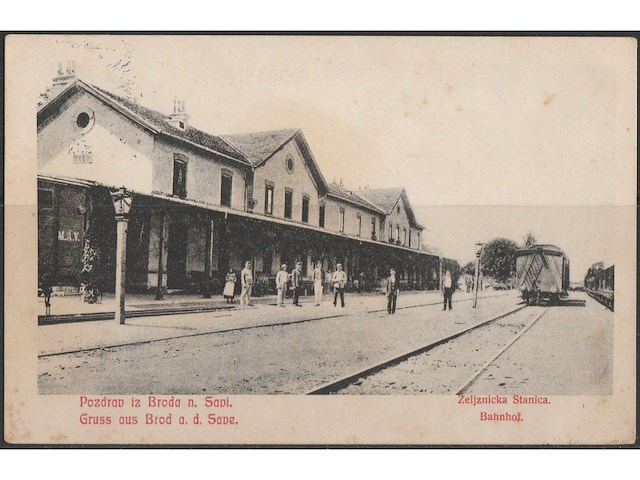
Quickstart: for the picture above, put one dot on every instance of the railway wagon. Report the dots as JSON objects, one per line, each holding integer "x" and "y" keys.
{"x": 542, "y": 274}
{"x": 600, "y": 285}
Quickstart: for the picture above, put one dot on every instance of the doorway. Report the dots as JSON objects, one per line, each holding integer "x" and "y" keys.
{"x": 177, "y": 258}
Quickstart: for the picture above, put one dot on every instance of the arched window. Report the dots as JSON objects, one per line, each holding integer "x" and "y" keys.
{"x": 305, "y": 208}
{"x": 288, "y": 203}
{"x": 321, "y": 213}
{"x": 268, "y": 198}
{"x": 180, "y": 175}
{"x": 226, "y": 187}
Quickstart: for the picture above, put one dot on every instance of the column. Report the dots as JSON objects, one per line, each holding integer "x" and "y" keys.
{"x": 159, "y": 295}
{"x": 206, "y": 290}
{"x": 121, "y": 266}
{"x": 122, "y": 204}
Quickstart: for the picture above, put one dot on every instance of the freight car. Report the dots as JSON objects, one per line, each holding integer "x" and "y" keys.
{"x": 599, "y": 283}
{"x": 542, "y": 274}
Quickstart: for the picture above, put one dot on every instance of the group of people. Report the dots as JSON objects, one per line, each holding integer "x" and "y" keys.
{"x": 338, "y": 281}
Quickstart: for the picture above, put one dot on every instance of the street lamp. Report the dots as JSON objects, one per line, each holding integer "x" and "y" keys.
{"x": 479, "y": 246}
{"x": 122, "y": 200}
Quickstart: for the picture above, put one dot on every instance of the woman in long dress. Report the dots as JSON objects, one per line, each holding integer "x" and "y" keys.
{"x": 230, "y": 286}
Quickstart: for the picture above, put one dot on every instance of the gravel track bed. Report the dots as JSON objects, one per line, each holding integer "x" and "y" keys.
{"x": 446, "y": 368}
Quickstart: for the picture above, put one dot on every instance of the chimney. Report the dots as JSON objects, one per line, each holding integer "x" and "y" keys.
{"x": 64, "y": 78}
{"x": 179, "y": 118}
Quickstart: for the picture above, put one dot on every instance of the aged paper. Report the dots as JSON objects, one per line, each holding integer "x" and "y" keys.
{"x": 490, "y": 137}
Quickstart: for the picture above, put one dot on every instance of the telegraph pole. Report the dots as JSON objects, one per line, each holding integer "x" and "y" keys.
{"x": 477, "y": 282}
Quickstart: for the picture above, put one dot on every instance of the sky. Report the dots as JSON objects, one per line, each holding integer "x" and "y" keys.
{"x": 491, "y": 137}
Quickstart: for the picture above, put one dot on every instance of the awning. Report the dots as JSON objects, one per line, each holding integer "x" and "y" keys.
{"x": 233, "y": 212}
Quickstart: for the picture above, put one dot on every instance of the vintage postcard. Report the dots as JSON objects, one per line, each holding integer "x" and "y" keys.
{"x": 320, "y": 240}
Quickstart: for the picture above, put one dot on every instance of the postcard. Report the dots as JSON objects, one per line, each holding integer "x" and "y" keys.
{"x": 320, "y": 239}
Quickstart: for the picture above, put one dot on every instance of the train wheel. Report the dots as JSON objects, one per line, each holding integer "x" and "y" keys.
{"x": 536, "y": 298}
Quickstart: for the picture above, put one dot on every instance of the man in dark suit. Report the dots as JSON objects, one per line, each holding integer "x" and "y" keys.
{"x": 296, "y": 280}
{"x": 392, "y": 291}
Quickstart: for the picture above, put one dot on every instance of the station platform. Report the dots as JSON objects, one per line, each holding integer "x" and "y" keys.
{"x": 71, "y": 308}
{"x": 78, "y": 334}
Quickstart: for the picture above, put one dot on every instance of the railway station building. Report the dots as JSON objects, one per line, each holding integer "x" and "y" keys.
{"x": 203, "y": 204}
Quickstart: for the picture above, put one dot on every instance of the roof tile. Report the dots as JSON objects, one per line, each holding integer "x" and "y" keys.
{"x": 160, "y": 121}
{"x": 259, "y": 146}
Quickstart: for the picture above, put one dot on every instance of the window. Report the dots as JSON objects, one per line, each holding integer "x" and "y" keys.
{"x": 305, "y": 209}
{"x": 397, "y": 239}
{"x": 418, "y": 246}
{"x": 45, "y": 198}
{"x": 289, "y": 164}
{"x": 373, "y": 228}
{"x": 268, "y": 198}
{"x": 409, "y": 237}
{"x": 226, "y": 186}
{"x": 404, "y": 233}
{"x": 358, "y": 225}
{"x": 83, "y": 120}
{"x": 341, "y": 220}
{"x": 398, "y": 210}
{"x": 179, "y": 175}
{"x": 288, "y": 204}
{"x": 390, "y": 231}
{"x": 321, "y": 216}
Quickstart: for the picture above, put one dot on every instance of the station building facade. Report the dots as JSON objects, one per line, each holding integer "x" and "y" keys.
{"x": 203, "y": 204}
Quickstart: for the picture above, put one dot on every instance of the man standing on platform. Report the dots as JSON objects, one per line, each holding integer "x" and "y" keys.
{"x": 448, "y": 290}
{"x": 392, "y": 291}
{"x": 246, "y": 279}
{"x": 296, "y": 280}
{"x": 339, "y": 281}
{"x": 318, "y": 277}
{"x": 282, "y": 278}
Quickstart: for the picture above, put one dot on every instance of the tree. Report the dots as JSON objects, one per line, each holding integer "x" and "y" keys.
{"x": 499, "y": 259}
{"x": 529, "y": 239}
{"x": 98, "y": 254}
{"x": 469, "y": 268}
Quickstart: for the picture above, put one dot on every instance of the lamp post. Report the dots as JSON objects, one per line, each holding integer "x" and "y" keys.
{"x": 122, "y": 205}
{"x": 477, "y": 282}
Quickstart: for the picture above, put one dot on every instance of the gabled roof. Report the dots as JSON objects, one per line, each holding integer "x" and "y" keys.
{"x": 152, "y": 120}
{"x": 387, "y": 198}
{"x": 384, "y": 198}
{"x": 258, "y": 147}
{"x": 337, "y": 191}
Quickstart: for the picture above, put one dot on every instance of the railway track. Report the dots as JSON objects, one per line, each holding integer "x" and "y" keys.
{"x": 479, "y": 372}
{"x": 356, "y": 377}
{"x": 604, "y": 297}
